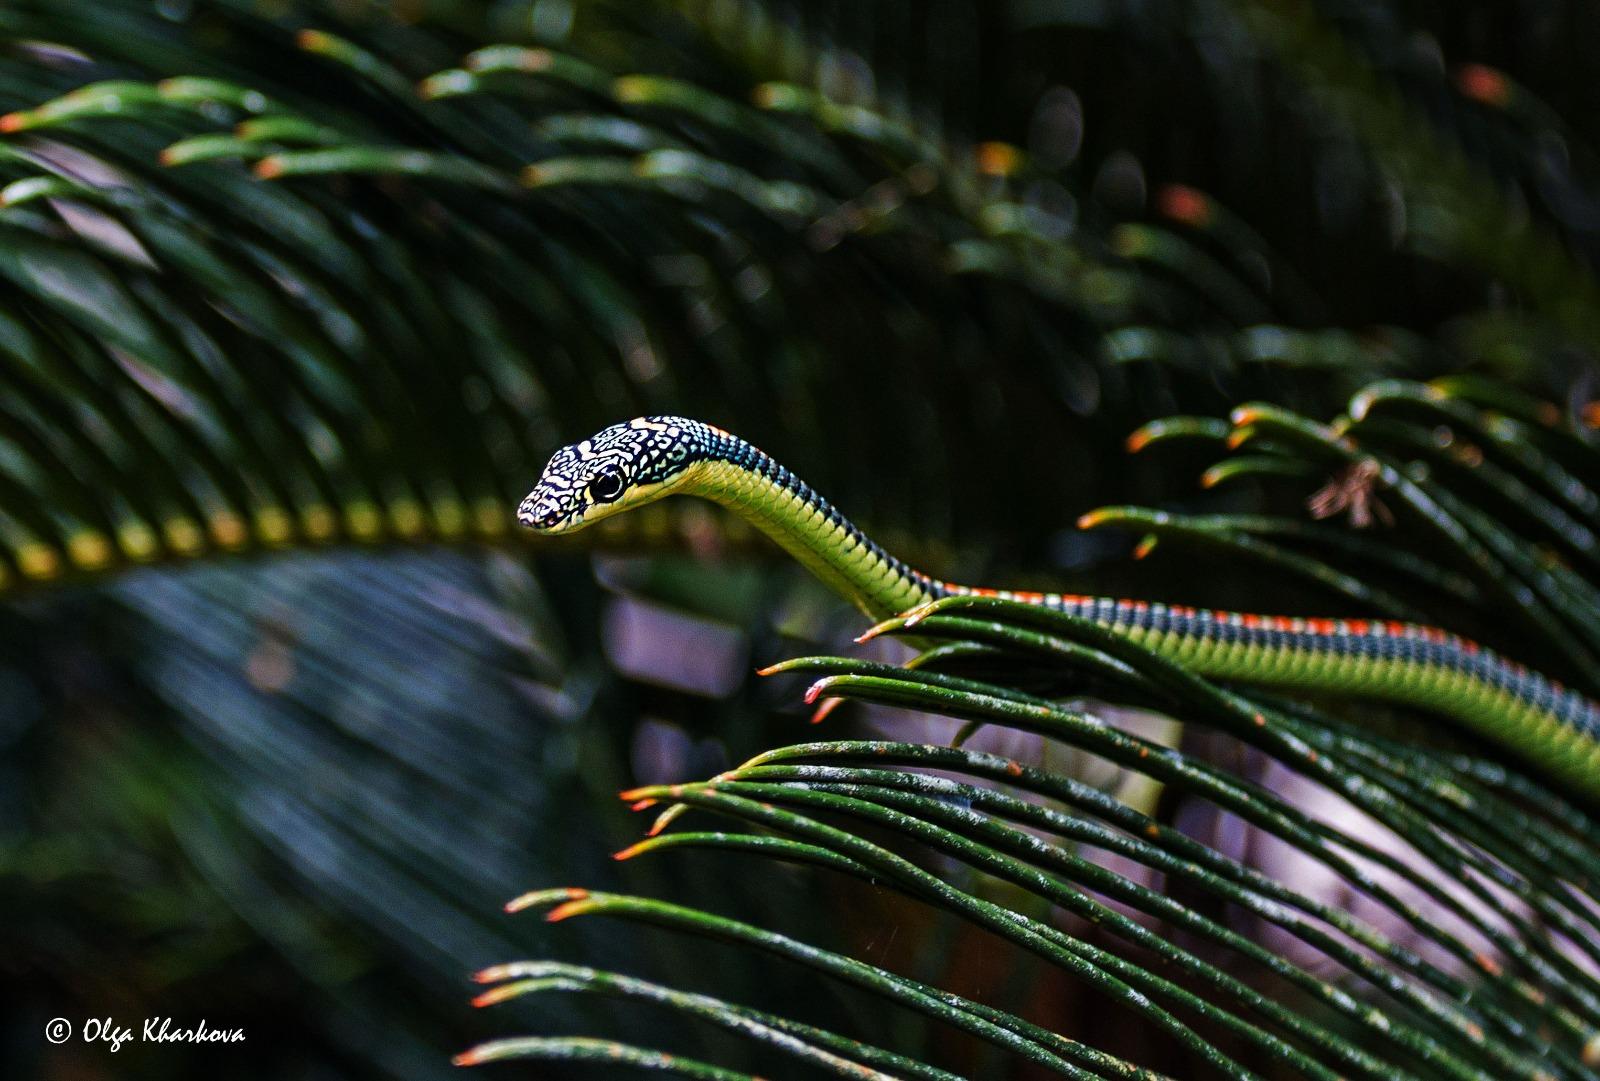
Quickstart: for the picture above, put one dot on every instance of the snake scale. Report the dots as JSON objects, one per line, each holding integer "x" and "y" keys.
{"x": 642, "y": 460}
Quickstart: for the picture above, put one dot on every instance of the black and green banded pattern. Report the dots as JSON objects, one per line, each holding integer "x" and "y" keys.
{"x": 630, "y": 464}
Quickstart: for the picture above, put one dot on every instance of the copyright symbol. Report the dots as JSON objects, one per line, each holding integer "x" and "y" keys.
{"x": 58, "y": 1031}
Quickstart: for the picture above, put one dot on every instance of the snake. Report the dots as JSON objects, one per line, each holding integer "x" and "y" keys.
{"x": 640, "y": 461}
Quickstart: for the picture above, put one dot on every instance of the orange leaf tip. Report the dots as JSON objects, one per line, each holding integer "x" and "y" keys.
{"x": 1183, "y": 203}
{"x": 1146, "y": 546}
{"x": 876, "y": 629}
{"x": 1137, "y": 440}
{"x": 466, "y": 1058}
{"x": 813, "y": 691}
{"x": 269, "y": 168}
{"x": 13, "y": 122}
{"x": 666, "y": 818}
{"x": 629, "y": 852}
{"x": 642, "y": 804}
{"x": 998, "y": 159}
{"x": 1484, "y": 84}
{"x": 572, "y": 894}
{"x": 1092, "y": 519}
{"x": 827, "y": 707}
{"x": 564, "y": 911}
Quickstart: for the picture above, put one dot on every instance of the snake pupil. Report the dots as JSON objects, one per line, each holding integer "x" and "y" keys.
{"x": 606, "y": 487}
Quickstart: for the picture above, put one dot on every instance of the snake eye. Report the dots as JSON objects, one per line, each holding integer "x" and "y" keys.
{"x": 606, "y": 485}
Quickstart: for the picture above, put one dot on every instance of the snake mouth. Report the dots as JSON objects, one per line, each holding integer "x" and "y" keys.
{"x": 547, "y": 515}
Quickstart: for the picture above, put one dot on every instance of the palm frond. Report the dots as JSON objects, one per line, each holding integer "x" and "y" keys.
{"x": 1475, "y": 958}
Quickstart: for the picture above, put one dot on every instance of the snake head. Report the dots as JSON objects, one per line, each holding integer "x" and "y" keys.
{"x": 623, "y": 466}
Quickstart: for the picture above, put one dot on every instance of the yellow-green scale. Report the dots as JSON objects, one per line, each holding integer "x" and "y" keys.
{"x": 827, "y": 549}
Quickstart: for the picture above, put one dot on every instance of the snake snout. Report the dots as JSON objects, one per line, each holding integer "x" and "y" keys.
{"x": 543, "y": 513}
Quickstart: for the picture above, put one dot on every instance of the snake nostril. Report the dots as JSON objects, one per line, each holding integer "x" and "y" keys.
{"x": 536, "y": 515}
{"x": 541, "y": 515}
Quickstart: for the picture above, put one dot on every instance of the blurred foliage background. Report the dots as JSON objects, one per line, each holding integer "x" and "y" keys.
{"x": 298, "y": 296}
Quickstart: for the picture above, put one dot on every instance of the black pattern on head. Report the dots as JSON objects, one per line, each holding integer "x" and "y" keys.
{"x": 616, "y": 468}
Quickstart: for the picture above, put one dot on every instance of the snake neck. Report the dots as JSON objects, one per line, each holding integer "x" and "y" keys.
{"x": 781, "y": 505}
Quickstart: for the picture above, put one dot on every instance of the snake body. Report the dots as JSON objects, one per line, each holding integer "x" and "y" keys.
{"x": 640, "y": 461}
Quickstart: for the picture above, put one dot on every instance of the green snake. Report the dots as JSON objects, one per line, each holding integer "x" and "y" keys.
{"x": 643, "y": 460}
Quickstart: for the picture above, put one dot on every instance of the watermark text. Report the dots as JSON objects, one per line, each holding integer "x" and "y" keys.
{"x": 115, "y": 1035}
